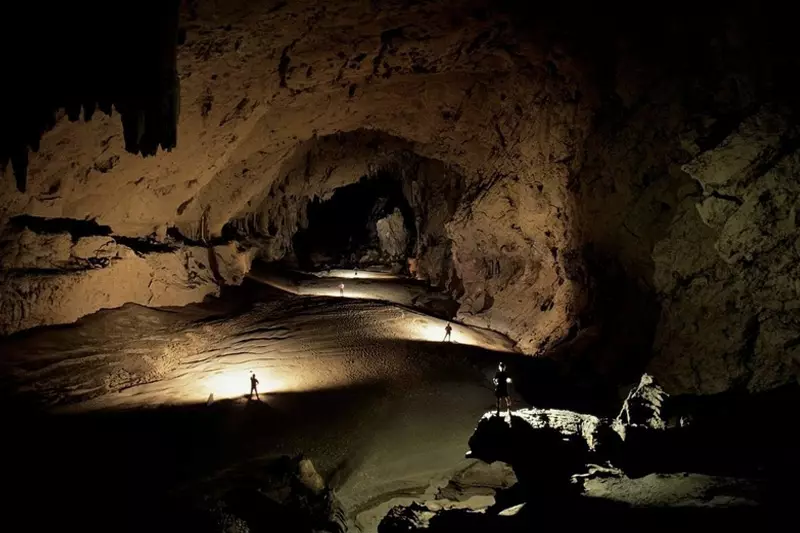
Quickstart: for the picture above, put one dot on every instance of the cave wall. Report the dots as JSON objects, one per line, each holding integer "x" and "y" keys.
{"x": 728, "y": 269}
{"x": 688, "y": 184}
{"x": 434, "y": 191}
{"x": 56, "y": 278}
{"x": 547, "y": 157}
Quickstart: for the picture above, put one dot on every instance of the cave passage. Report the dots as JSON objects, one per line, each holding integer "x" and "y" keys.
{"x": 368, "y": 223}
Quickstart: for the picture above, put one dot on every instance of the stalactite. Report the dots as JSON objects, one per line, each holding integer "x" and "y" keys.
{"x": 135, "y": 72}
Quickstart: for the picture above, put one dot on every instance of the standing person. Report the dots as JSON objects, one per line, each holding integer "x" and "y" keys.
{"x": 253, "y": 386}
{"x": 355, "y": 271}
{"x": 501, "y": 381}
{"x": 341, "y": 289}
{"x": 447, "y": 331}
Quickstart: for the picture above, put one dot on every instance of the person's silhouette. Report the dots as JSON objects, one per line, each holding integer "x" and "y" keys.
{"x": 355, "y": 272}
{"x": 253, "y": 386}
{"x": 501, "y": 381}
{"x": 341, "y": 289}
{"x": 447, "y": 331}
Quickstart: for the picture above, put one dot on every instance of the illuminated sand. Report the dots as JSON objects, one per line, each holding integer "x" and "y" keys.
{"x": 355, "y": 274}
{"x": 364, "y": 388}
{"x": 367, "y": 286}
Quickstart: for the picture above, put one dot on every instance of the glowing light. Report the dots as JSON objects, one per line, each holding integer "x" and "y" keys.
{"x": 420, "y": 327}
{"x": 232, "y": 384}
{"x": 433, "y": 331}
{"x": 351, "y": 274}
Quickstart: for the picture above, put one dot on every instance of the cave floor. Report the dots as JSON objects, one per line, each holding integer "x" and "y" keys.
{"x": 142, "y": 401}
{"x": 370, "y": 285}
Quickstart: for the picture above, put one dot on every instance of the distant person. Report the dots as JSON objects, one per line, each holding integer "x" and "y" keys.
{"x": 447, "y": 331}
{"x": 355, "y": 272}
{"x": 253, "y": 385}
{"x": 501, "y": 381}
{"x": 341, "y": 289}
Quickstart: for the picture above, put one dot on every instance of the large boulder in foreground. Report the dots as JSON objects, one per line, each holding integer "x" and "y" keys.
{"x": 58, "y": 277}
{"x": 547, "y": 446}
{"x": 557, "y": 456}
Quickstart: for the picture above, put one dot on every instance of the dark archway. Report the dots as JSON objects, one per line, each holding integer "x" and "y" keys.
{"x": 367, "y": 223}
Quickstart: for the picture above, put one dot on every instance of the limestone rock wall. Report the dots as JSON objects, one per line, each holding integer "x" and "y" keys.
{"x": 392, "y": 234}
{"x": 56, "y": 279}
{"x": 729, "y": 270}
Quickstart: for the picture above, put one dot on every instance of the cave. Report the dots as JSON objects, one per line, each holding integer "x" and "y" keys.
{"x": 369, "y": 223}
{"x": 260, "y": 261}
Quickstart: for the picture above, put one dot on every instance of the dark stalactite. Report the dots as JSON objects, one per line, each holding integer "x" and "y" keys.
{"x": 131, "y": 51}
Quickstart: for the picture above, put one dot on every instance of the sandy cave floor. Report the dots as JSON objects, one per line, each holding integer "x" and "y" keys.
{"x": 364, "y": 388}
{"x": 112, "y": 415}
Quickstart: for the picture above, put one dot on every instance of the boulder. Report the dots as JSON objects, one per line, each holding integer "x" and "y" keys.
{"x": 393, "y": 235}
{"x": 232, "y": 263}
{"x": 545, "y": 447}
{"x": 642, "y": 408}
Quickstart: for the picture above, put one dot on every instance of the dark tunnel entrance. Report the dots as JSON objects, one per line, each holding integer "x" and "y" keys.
{"x": 368, "y": 223}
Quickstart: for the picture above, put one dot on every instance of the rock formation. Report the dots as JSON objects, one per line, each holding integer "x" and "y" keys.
{"x": 134, "y": 71}
{"x": 729, "y": 437}
{"x": 602, "y": 469}
{"x": 392, "y": 234}
{"x": 56, "y": 278}
{"x": 566, "y": 175}
{"x": 642, "y": 408}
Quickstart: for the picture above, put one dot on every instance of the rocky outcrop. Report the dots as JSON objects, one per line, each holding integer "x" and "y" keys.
{"x": 642, "y": 409}
{"x": 734, "y": 436}
{"x": 567, "y": 441}
{"x": 601, "y": 469}
{"x": 392, "y": 235}
{"x": 427, "y": 517}
{"x": 58, "y": 278}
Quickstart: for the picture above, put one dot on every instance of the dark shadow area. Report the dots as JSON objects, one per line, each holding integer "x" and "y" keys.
{"x": 342, "y": 230}
{"x": 548, "y": 383}
{"x": 611, "y": 341}
{"x": 76, "y": 228}
{"x": 749, "y": 434}
{"x": 122, "y": 470}
{"x": 584, "y": 514}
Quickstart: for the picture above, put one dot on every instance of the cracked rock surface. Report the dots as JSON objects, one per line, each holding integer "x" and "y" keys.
{"x": 55, "y": 278}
